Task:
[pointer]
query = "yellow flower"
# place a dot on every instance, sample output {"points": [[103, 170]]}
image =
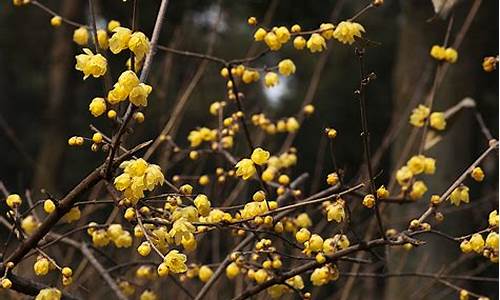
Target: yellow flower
{"points": [[492, 240], [73, 215], [202, 204], [332, 178], [13, 200], [250, 76], [116, 95], [286, 67], [418, 190], [252, 21], [49, 206], [292, 125], [460, 194], [478, 174], [56, 21], [369, 201], [268, 174], [299, 43], [195, 138], [138, 44], [302, 235], [277, 290], [181, 228], [245, 168], [135, 167], [144, 249], [122, 181], [100, 238], [489, 63], [113, 24], [148, 295], [303, 220], [205, 273], [227, 142], [315, 243], [260, 34], [261, 276], [493, 218], [41, 267], [162, 270], [20, 2], [450, 55], [272, 41], [296, 28], [327, 30], [416, 164], [271, 79], [308, 109], [97, 138], [232, 270], [320, 276], [346, 31], [29, 225], [90, 64], [316, 43], [97, 107], [430, 165], [260, 156], [477, 242], [336, 211], [382, 192], [282, 34], [331, 245], [419, 115], [465, 246], [49, 294], [128, 80], [81, 36], [6, 283], [438, 120], [119, 40], [175, 262], [102, 39], [438, 52], [139, 94]]}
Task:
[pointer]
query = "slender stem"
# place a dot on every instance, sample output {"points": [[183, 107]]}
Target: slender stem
{"points": [[365, 135]]}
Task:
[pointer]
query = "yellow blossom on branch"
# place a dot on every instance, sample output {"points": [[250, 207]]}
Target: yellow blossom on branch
{"points": [[91, 64]]}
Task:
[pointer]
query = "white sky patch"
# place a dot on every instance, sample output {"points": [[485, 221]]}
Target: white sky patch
{"points": [[209, 18], [275, 94]]}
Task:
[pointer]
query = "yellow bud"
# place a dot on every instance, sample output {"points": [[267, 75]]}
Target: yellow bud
{"points": [[56, 21], [49, 206], [252, 21], [97, 138], [6, 283]]}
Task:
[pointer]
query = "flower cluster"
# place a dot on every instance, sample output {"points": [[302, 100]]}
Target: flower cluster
{"points": [[115, 233], [204, 134], [416, 165], [460, 194], [444, 54], [420, 114], [137, 177], [487, 248], [245, 168], [345, 32], [128, 85]]}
